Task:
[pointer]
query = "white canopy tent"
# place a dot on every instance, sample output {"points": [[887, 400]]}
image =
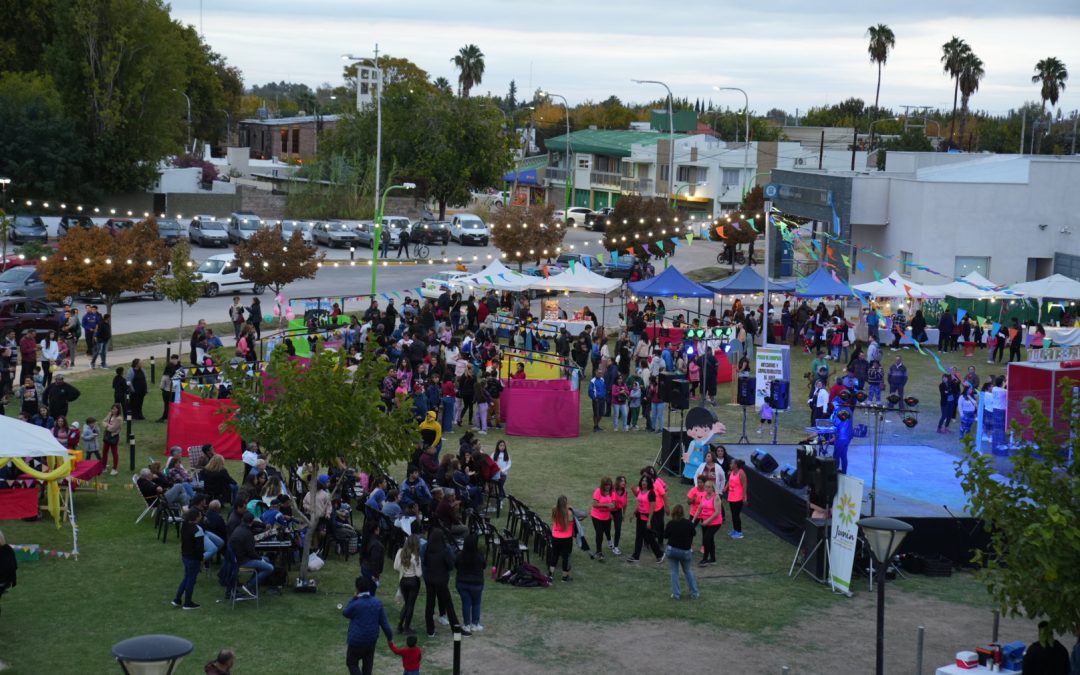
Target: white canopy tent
{"points": [[1054, 287], [22, 440], [577, 279], [895, 286], [499, 277], [973, 286]]}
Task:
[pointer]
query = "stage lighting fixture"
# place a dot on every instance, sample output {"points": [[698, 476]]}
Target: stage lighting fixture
{"points": [[845, 396], [844, 415], [911, 402], [690, 350], [861, 396], [910, 422], [893, 399]]}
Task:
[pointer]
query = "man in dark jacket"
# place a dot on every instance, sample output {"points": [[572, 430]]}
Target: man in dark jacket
{"points": [[191, 554], [366, 616], [242, 544], [898, 380], [58, 395], [371, 563]]}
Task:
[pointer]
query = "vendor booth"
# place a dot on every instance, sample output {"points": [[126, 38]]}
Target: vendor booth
{"points": [[197, 421], [1053, 287], [541, 408], [822, 283], [499, 277], [1042, 381], [895, 286]]}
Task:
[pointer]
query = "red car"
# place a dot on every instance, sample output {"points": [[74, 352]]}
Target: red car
{"points": [[117, 225]]}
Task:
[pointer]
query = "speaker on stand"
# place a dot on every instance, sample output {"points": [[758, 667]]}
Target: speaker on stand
{"points": [[673, 442], [780, 400], [745, 396]]}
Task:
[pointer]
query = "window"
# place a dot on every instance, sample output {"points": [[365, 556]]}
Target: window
{"points": [[296, 140], [730, 177], [363, 88], [664, 172], [684, 174], [584, 161], [284, 140], [905, 263], [966, 264]]}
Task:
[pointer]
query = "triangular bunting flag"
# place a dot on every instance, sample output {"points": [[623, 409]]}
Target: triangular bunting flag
{"points": [[675, 240], [490, 280], [690, 239], [573, 265], [877, 275], [630, 250], [750, 222], [647, 250], [544, 269], [660, 245]]}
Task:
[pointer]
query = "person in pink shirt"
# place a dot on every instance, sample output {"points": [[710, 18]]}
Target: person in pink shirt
{"points": [[694, 495], [619, 498], [656, 522], [737, 496], [562, 538], [711, 516], [603, 503], [647, 504]]}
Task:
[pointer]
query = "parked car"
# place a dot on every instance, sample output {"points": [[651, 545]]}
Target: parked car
{"points": [[467, 228], [207, 231], [221, 273], [22, 229], [429, 232], [290, 226], [334, 234], [149, 291], [169, 229], [436, 284], [23, 281], [242, 225], [115, 226], [67, 223], [599, 219], [573, 216], [491, 198], [365, 233], [16, 261], [619, 270], [20, 314]]}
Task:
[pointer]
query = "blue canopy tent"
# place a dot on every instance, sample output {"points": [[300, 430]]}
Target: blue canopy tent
{"points": [[669, 284], [821, 284], [747, 280]]}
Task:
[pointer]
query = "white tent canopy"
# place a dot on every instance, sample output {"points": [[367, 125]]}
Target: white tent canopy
{"points": [[499, 277], [895, 286], [973, 286], [578, 279], [22, 439], [1056, 286]]}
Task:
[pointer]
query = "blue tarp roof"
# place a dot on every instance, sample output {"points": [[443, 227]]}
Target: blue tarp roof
{"points": [[669, 284], [746, 280], [821, 284]]}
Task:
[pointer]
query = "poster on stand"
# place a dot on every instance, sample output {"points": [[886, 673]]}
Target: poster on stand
{"points": [[550, 309], [845, 531], [771, 363]]}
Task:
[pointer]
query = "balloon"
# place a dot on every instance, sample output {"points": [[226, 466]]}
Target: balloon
{"points": [[268, 318], [289, 314], [277, 311], [280, 298]]}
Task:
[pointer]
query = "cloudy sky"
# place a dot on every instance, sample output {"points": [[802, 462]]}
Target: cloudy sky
{"points": [[785, 53]]}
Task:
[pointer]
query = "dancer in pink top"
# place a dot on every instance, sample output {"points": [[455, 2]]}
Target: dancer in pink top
{"points": [[737, 496], [603, 503], [562, 538]]}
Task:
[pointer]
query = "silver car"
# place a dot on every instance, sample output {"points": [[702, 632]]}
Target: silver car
{"points": [[242, 225], [290, 226], [365, 234], [334, 234], [207, 231]]}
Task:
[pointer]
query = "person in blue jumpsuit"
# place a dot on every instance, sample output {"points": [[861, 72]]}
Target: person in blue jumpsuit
{"points": [[843, 420]]}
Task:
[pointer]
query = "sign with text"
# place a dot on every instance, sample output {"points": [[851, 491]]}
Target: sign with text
{"points": [[846, 509], [771, 363], [1054, 354]]}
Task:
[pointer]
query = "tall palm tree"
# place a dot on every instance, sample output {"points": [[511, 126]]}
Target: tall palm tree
{"points": [[971, 73], [952, 53], [470, 61], [1051, 73], [881, 41], [443, 85]]}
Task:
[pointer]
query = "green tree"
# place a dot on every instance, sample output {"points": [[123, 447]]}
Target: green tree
{"points": [[511, 97], [1030, 567], [321, 409], [971, 74], [26, 27], [1051, 75], [181, 284], [443, 86], [470, 61], [268, 259], [952, 57], [642, 220], [882, 40]]}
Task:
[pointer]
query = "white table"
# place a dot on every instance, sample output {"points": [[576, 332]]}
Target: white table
{"points": [[574, 327], [953, 669], [1063, 337]]}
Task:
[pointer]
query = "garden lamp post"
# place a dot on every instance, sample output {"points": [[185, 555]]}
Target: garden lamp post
{"points": [[671, 136], [746, 131], [884, 536], [567, 183], [378, 228], [151, 654], [188, 99]]}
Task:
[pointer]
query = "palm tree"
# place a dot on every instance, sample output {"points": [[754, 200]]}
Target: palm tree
{"points": [[470, 61], [443, 85], [1052, 74], [971, 73], [952, 53], [881, 41]]}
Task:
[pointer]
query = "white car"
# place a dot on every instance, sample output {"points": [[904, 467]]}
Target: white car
{"points": [[301, 226], [573, 216], [433, 286], [467, 228], [221, 273]]}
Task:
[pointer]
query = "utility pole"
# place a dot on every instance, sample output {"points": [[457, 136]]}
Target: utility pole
{"points": [[1075, 118], [1023, 129], [763, 322]]}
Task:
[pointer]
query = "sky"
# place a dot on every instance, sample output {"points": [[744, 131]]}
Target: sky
{"points": [[788, 54]]}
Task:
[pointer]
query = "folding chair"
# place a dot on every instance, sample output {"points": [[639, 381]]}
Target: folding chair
{"points": [[232, 585], [149, 506], [167, 515]]}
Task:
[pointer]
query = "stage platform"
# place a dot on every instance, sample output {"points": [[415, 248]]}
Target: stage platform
{"points": [[915, 483]]}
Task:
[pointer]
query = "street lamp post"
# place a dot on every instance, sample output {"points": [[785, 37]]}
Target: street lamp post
{"points": [[4, 183], [567, 182], [884, 536], [671, 136], [228, 126], [378, 120], [746, 132], [378, 228], [188, 99]]}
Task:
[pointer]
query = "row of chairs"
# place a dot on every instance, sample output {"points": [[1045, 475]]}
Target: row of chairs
{"points": [[524, 524]]}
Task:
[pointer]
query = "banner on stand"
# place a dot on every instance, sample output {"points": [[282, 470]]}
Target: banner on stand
{"points": [[847, 505]]}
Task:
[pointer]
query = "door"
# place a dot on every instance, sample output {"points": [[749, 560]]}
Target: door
{"points": [[601, 199], [230, 275]]}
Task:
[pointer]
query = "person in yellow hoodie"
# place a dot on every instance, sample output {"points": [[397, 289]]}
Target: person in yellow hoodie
{"points": [[431, 430]]}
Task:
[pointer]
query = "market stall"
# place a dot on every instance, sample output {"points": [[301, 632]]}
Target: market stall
{"points": [[541, 408], [896, 286], [1053, 287], [499, 277]]}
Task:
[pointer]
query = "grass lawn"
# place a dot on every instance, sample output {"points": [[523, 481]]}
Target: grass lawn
{"points": [[64, 615], [161, 335]]}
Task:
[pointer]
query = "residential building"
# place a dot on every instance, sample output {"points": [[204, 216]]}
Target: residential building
{"points": [[1012, 218], [285, 138]]}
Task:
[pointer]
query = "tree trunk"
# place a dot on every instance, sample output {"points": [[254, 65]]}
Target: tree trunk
{"points": [[313, 524], [442, 209], [952, 123], [963, 120], [180, 330], [877, 93]]}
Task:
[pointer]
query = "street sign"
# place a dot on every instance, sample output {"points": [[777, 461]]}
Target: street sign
{"points": [[771, 190]]}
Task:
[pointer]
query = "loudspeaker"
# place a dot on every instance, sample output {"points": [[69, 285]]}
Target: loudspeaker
{"points": [[680, 394], [746, 391], [824, 483], [814, 530], [670, 450], [665, 385], [789, 475], [806, 461], [763, 461], [779, 391]]}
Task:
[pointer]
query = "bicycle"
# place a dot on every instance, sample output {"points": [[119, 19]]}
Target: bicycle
{"points": [[421, 251]]}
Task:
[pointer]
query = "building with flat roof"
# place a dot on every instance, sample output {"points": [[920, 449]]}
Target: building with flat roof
{"points": [[285, 138]]}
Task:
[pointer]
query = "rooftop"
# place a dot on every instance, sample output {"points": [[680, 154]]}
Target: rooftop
{"points": [[605, 141], [279, 121], [980, 169]]}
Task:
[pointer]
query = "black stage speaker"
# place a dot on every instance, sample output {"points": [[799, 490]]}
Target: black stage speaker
{"points": [[665, 386], [680, 394], [763, 461], [806, 461], [814, 529], [823, 483], [790, 476], [671, 450], [779, 391], [746, 391]]}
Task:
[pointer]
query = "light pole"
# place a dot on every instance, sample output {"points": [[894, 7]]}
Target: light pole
{"points": [[188, 99], [746, 133], [884, 536], [517, 140], [671, 136], [228, 126], [378, 119], [378, 228], [4, 183], [567, 182]]}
